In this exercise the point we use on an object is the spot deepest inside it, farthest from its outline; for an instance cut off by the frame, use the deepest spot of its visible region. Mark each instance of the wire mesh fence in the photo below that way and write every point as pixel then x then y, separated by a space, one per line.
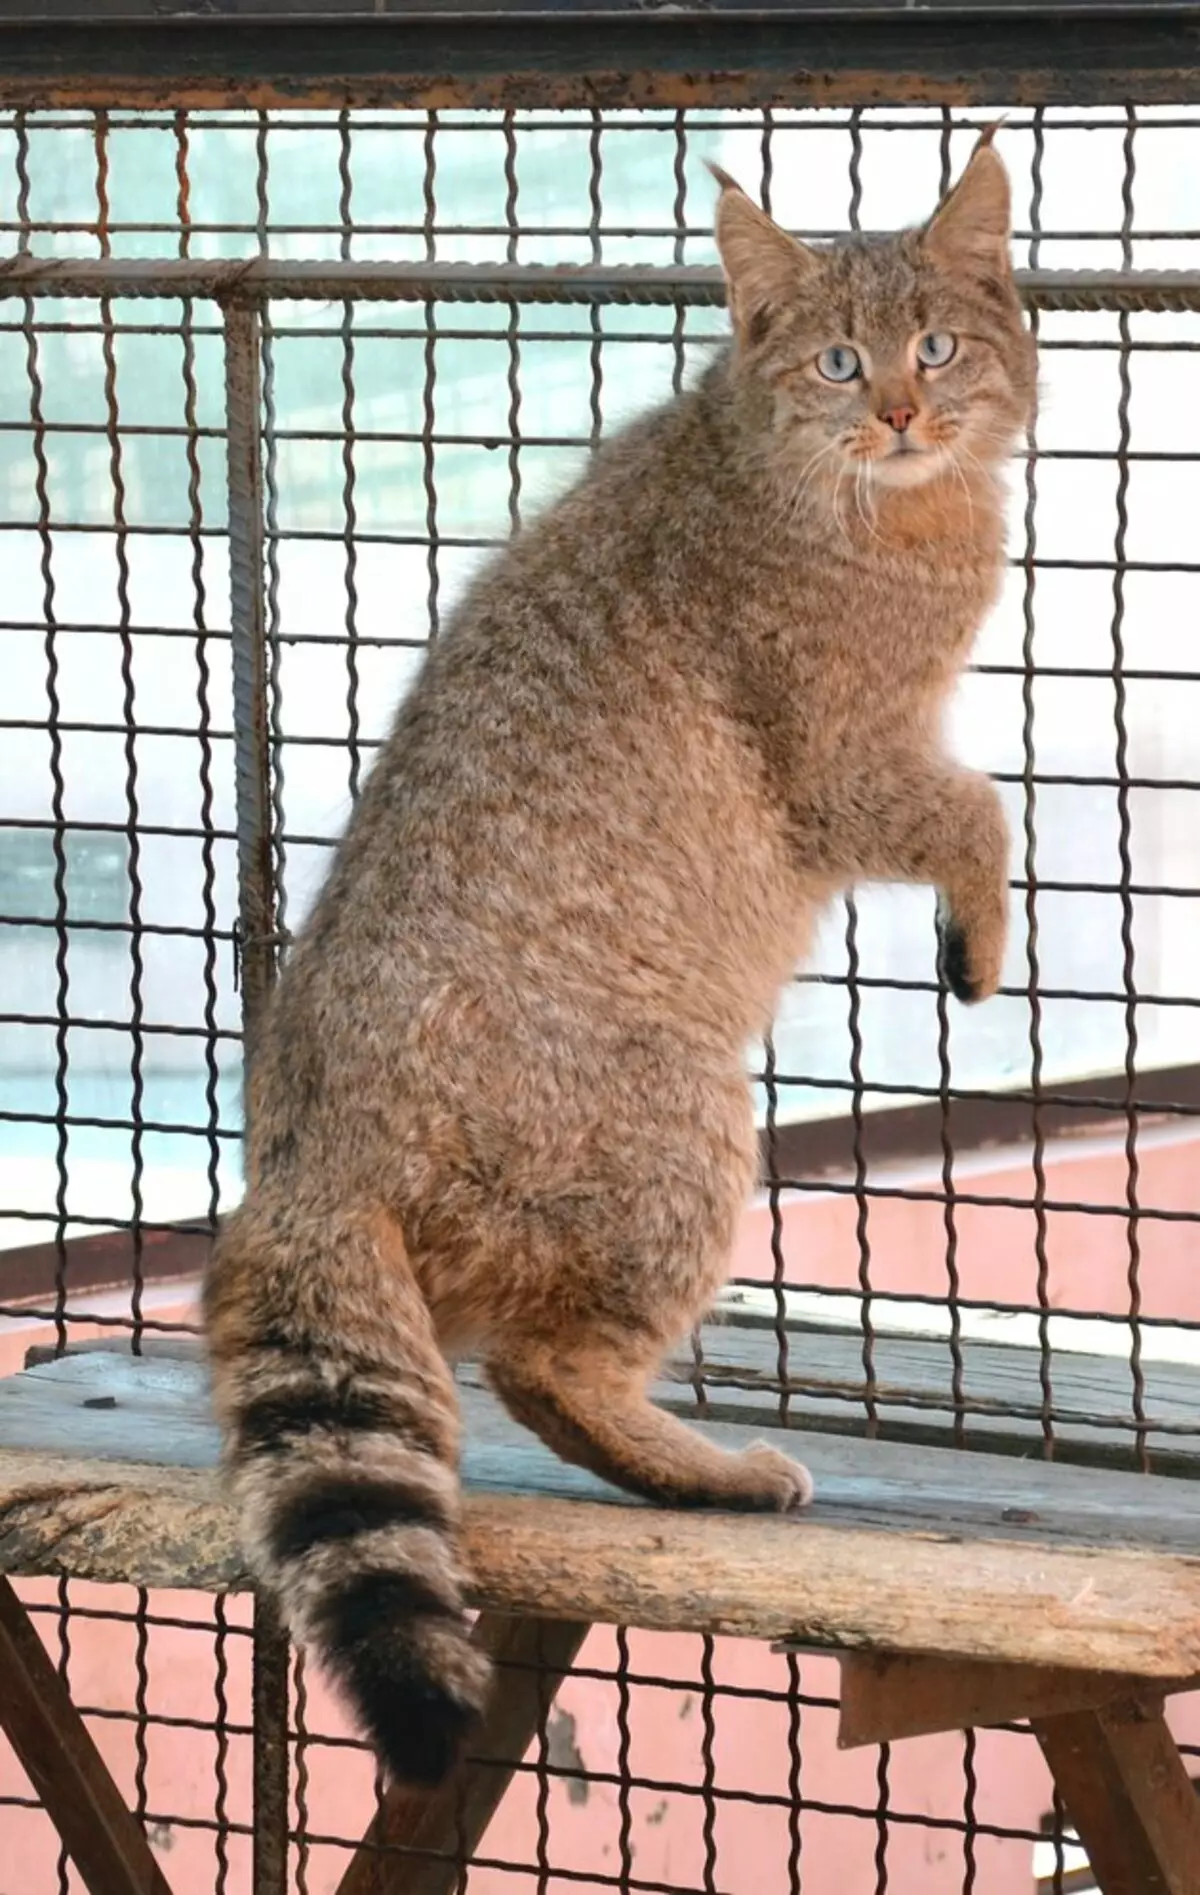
pixel 273 386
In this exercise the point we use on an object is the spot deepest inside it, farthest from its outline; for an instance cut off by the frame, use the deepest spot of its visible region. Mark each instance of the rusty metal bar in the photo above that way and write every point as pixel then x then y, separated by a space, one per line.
pixel 269 1767
pixel 247 586
pixel 245 283
pixel 620 55
pixel 256 942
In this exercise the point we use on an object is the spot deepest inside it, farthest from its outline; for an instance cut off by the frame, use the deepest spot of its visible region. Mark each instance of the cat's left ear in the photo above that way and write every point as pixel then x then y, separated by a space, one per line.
pixel 972 225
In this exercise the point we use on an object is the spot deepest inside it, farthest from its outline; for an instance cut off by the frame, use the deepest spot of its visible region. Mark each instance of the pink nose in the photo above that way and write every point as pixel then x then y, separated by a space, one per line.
pixel 899 418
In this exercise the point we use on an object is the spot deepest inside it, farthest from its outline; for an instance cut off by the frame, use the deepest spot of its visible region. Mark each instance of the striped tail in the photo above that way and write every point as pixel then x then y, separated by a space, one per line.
pixel 340 1429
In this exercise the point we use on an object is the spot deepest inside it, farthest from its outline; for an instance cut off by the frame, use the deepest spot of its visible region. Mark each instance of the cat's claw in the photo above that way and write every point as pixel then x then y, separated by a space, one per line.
pixel 953 961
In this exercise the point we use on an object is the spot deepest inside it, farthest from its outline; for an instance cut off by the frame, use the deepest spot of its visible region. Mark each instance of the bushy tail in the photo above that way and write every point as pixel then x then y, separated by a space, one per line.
pixel 340 1430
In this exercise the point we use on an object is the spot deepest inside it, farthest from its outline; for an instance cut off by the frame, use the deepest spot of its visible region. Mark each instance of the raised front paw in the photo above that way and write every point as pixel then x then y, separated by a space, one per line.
pixel 968 963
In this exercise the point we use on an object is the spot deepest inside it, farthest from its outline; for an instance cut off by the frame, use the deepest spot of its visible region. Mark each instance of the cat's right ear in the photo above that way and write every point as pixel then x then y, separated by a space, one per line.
pixel 764 267
pixel 970 227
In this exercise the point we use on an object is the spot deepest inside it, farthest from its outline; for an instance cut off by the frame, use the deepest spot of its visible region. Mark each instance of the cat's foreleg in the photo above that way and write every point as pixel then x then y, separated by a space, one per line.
pixel 924 819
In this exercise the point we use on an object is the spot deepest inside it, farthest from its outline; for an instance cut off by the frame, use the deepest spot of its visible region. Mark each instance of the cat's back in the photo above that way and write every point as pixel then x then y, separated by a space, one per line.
pixel 569 808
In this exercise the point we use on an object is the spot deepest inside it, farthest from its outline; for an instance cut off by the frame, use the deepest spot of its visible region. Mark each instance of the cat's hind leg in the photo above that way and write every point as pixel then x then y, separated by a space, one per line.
pixel 590 1405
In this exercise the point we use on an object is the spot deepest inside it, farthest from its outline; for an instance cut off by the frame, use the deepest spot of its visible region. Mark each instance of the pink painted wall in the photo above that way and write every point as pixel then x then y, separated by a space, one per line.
pixel 755 1843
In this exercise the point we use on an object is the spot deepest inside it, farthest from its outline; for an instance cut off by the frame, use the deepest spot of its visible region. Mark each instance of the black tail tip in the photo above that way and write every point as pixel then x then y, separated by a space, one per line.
pixel 418 1730
pixel 403 1656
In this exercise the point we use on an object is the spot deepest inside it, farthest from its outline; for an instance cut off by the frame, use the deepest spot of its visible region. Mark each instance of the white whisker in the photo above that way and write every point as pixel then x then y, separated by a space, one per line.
pixel 966 487
pixel 868 518
pixel 807 476
pixel 838 521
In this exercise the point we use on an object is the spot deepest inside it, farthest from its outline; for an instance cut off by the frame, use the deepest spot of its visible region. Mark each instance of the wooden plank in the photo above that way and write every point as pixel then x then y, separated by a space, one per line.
pixel 1121 1776
pixel 988 1559
pixel 119 1407
pixel 1001 1383
pixel 56 1751
pixel 825 1390
pixel 823 1580
pixel 439 1831
pixel 884 1699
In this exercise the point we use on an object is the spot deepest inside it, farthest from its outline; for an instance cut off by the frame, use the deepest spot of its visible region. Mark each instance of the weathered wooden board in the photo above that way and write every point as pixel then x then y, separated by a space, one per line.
pixel 1002 1392
pixel 1001 1384
pixel 154 1410
pixel 988 1559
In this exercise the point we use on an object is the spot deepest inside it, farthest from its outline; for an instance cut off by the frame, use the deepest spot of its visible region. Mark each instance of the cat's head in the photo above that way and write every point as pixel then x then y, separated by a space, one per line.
pixel 893 357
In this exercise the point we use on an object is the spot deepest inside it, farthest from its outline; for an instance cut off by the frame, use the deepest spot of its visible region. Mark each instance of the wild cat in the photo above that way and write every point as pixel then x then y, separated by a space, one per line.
pixel 497 1101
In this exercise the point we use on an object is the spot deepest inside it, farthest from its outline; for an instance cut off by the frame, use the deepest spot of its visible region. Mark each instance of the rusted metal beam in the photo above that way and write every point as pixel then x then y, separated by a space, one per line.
pixel 1122 1778
pixel 418 1842
pixel 269 1759
pixel 563 55
pixel 70 1776
pixel 243 285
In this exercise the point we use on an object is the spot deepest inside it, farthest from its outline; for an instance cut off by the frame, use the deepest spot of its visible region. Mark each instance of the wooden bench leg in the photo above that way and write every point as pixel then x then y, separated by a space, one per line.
pixel 1120 1775
pixel 449 1823
pixel 99 1833
pixel 885 1698
pixel 1116 1764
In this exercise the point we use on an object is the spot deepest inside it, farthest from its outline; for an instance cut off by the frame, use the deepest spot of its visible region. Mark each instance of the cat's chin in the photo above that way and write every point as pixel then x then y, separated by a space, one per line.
pixel 910 468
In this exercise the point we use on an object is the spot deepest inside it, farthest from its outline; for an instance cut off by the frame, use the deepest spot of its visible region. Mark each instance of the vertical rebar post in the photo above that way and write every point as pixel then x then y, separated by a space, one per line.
pixel 251 718
pixel 949 1208
pixel 1133 1236
pixel 269 1699
pixel 854 1000
pixel 257 943
pixel 1029 802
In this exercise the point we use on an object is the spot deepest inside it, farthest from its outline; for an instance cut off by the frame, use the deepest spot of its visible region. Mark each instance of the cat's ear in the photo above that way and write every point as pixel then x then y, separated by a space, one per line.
pixel 972 225
pixel 764 267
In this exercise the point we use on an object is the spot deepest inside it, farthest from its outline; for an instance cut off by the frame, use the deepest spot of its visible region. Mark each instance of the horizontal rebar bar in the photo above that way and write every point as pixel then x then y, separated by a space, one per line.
pixel 258 279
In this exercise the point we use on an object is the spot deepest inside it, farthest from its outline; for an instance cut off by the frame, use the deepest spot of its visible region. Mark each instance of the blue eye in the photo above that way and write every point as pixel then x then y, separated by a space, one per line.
pixel 934 351
pixel 839 364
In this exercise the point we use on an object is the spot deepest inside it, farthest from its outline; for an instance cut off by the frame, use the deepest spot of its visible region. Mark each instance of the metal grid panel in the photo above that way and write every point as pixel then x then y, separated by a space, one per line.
pixel 667 1765
pixel 197 683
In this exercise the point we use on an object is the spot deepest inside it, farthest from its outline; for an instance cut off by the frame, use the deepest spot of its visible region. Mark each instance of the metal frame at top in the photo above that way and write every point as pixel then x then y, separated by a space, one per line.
pixel 145 55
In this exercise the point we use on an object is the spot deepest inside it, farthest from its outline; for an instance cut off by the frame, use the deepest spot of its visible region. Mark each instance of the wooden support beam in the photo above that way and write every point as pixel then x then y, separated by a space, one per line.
pixel 532 1656
pixel 106 1844
pixel 1131 1800
pixel 886 1698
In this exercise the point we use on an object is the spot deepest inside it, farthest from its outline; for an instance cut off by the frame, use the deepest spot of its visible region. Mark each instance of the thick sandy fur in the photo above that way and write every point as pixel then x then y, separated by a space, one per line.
pixel 497 1100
